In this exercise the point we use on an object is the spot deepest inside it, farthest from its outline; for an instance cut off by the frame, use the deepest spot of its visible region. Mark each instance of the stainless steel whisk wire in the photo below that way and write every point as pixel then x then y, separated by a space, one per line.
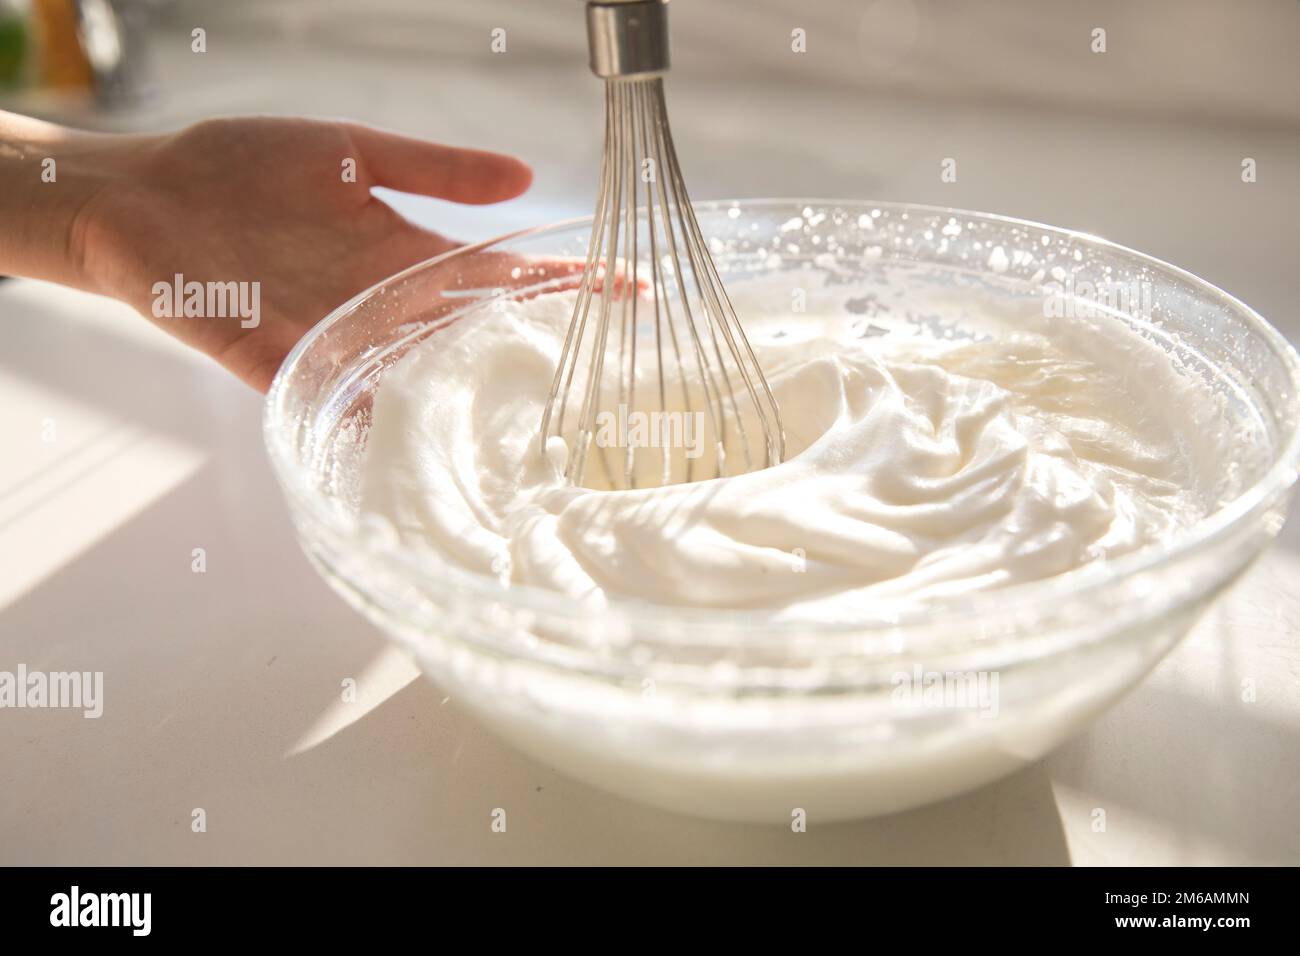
pixel 629 51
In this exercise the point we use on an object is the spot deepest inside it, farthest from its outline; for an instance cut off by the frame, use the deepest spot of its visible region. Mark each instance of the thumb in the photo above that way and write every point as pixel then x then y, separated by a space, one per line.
pixel 445 172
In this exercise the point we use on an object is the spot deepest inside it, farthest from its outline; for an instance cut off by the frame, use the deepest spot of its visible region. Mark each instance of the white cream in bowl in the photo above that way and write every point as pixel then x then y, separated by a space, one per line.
pixel 978 449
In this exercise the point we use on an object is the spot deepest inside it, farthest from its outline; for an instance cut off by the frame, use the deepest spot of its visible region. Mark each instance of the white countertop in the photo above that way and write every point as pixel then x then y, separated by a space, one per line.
pixel 222 689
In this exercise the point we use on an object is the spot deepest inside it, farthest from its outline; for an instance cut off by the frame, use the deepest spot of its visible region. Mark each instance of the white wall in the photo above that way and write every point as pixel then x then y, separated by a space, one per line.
pixel 1225 60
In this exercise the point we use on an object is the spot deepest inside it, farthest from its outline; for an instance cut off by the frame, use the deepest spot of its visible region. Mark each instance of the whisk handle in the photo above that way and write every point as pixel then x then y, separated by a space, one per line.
pixel 627 37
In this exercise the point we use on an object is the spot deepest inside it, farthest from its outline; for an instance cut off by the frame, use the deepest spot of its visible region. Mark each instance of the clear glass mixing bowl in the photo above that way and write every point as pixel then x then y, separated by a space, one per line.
pixel 728 714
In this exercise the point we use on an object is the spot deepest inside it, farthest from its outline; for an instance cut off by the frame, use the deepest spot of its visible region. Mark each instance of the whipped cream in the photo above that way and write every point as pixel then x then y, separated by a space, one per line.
pixel 959 444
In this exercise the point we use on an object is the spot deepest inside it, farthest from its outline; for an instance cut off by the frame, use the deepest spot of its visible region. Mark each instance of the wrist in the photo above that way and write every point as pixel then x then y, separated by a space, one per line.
pixel 52 181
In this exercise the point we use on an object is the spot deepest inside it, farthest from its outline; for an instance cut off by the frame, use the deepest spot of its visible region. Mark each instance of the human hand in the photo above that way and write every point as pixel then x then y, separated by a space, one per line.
pixel 250 200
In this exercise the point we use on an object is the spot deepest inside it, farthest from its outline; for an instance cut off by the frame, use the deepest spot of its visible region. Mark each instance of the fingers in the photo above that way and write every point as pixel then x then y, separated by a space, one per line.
pixel 411 244
pixel 538 275
pixel 410 165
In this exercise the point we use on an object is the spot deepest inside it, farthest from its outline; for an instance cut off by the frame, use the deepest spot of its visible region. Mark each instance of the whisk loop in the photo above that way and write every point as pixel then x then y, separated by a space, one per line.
pixel 649 273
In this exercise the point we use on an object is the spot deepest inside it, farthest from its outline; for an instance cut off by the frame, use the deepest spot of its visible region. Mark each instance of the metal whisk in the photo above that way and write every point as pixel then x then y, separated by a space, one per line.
pixel 703 371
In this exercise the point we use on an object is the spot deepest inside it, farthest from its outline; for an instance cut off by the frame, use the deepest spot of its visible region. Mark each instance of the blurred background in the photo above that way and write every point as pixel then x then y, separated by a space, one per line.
pixel 1142 144
pixel 222 687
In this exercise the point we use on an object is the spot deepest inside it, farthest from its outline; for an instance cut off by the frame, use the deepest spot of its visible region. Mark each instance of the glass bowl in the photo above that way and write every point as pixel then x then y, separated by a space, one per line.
pixel 730 714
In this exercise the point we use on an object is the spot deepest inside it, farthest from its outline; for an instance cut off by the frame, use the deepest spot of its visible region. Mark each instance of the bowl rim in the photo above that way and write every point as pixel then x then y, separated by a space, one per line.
pixel 1042 595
